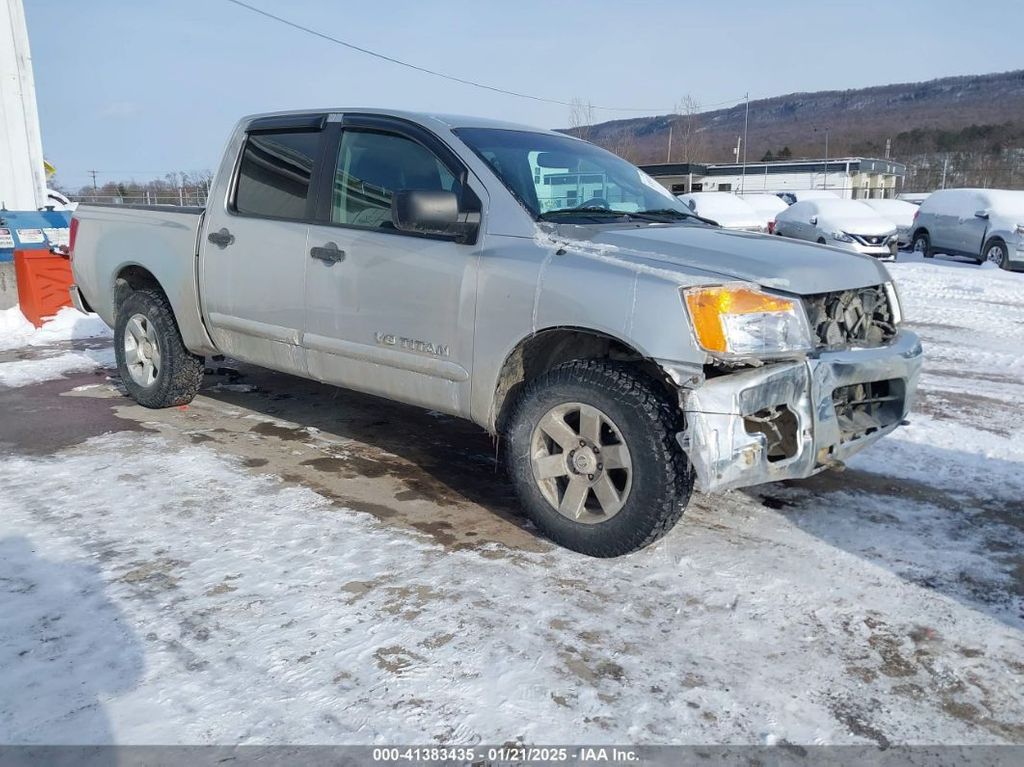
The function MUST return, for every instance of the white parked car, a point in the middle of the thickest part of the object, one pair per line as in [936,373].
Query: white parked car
[983,224]
[915,198]
[799,195]
[899,212]
[848,224]
[725,209]
[767,205]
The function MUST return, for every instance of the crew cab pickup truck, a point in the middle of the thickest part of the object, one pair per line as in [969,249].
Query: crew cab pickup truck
[623,348]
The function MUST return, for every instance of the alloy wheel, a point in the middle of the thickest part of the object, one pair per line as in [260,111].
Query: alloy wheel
[581,463]
[141,350]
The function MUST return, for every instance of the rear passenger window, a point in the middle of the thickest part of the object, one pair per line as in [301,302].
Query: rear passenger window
[275,174]
[372,166]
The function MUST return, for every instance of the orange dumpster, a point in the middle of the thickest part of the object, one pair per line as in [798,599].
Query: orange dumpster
[43,281]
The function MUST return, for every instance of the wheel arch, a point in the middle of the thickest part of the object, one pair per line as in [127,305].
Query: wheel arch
[989,241]
[539,352]
[131,278]
[181,294]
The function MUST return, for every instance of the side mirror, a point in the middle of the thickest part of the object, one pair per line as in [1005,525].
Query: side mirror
[981,214]
[426,212]
[814,221]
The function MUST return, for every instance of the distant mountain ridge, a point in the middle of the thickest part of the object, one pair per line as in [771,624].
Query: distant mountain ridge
[970,113]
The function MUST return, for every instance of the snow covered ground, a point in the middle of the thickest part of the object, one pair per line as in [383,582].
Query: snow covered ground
[69,343]
[281,562]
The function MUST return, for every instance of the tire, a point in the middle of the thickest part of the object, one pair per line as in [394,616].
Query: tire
[145,330]
[995,251]
[821,241]
[922,244]
[635,413]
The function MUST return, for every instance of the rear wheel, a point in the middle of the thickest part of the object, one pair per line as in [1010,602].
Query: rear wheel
[922,245]
[995,252]
[156,368]
[594,458]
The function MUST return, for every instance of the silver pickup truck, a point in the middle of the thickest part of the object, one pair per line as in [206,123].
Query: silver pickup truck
[624,348]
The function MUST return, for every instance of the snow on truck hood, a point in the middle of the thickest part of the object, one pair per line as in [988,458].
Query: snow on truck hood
[790,265]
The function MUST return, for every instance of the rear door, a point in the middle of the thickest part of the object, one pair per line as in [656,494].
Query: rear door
[945,210]
[390,312]
[254,249]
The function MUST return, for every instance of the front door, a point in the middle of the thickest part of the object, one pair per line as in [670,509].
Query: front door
[971,228]
[389,312]
[254,254]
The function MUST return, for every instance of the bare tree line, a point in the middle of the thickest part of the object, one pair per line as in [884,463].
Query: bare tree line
[176,188]
[686,141]
[986,170]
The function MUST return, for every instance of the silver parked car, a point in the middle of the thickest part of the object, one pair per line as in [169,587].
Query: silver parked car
[523,279]
[982,224]
[900,212]
[847,224]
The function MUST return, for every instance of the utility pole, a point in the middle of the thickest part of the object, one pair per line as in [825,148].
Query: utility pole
[668,157]
[746,118]
[93,174]
[945,165]
[824,184]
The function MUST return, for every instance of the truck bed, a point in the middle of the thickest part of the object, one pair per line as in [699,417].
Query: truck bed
[135,241]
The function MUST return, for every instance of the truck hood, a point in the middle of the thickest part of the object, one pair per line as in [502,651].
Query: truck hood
[783,264]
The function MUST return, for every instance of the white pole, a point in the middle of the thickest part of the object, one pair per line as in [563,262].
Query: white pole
[746,116]
[23,179]
[824,184]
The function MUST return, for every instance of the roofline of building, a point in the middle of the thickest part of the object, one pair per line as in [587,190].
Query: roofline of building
[834,164]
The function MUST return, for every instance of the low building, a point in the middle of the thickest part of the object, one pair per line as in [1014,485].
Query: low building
[850,177]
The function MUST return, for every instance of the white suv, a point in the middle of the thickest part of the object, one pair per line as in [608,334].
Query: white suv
[983,224]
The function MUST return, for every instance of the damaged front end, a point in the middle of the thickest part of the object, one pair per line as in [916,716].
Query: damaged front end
[789,420]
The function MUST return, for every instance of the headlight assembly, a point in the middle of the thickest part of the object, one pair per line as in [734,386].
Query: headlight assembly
[894,303]
[841,236]
[740,320]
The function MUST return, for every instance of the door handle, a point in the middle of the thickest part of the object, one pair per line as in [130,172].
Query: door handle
[221,239]
[328,253]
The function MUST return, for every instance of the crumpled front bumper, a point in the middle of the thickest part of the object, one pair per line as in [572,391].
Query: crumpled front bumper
[726,455]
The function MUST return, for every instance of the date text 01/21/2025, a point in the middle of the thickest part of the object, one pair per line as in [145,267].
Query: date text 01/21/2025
[500,754]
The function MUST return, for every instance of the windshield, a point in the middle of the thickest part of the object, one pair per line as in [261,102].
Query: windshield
[559,178]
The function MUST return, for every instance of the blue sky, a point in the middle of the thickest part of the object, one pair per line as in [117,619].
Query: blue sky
[137,88]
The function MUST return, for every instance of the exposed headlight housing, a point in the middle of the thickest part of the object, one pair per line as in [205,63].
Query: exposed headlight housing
[741,320]
[894,303]
[1020,230]
[841,236]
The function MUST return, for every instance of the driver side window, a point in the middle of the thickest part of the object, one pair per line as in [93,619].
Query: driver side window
[372,166]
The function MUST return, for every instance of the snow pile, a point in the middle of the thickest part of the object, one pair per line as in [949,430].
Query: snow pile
[67,325]
[15,330]
[31,371]
[45,354]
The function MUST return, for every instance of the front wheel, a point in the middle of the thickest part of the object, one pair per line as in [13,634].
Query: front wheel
[922,245]
[995,252]
[594,458]
[156,368]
